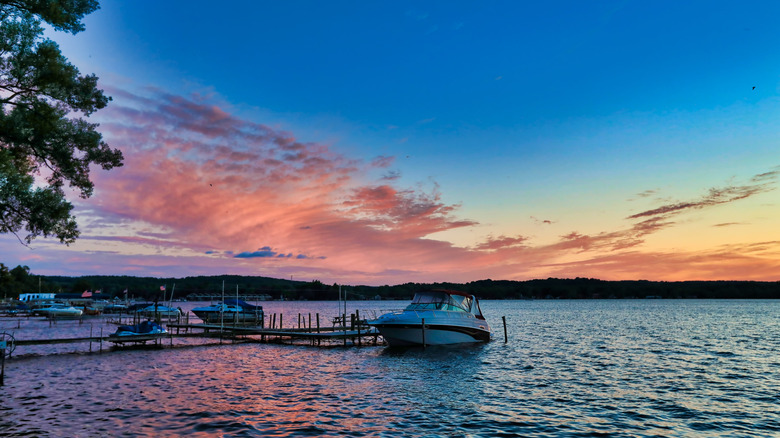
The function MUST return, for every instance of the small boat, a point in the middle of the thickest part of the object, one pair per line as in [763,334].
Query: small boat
[230,311]
[59,311]
[163,311]
[437,317]
[115,308]
[144,328]
[91,311]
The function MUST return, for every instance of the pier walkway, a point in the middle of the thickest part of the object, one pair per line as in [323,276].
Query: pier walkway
[357,334]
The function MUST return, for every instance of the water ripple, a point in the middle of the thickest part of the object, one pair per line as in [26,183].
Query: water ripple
[572,369]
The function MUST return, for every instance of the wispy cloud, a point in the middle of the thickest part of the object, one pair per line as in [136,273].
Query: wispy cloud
[656,219]
[268,252]
[417,14]
[502,242]
[644,194]
[716,196]
[406,212]
[541,221]
[728,224]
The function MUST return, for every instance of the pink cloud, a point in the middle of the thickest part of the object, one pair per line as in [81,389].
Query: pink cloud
[207,185]
[502,242]
[215,182]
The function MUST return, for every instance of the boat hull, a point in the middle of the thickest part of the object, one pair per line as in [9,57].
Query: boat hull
[230,311]
[59,312]
[161,311]
[66,314]
[228,317]
[401,335]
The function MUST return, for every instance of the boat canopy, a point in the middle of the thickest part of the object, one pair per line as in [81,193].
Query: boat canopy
[243,304]
[441,300]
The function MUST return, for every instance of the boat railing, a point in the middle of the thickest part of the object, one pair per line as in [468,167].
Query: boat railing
[427,313]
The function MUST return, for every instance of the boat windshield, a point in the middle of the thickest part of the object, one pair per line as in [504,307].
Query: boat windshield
[440,301]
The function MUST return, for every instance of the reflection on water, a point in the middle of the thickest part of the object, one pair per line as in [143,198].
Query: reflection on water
[571,368]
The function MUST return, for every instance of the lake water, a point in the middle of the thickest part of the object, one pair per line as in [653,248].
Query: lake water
[681,368]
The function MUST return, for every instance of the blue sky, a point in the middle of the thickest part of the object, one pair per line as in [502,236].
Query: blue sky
[520,127]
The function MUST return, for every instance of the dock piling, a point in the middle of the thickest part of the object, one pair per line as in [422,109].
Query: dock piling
[357,318]
[423,332]
[506,339]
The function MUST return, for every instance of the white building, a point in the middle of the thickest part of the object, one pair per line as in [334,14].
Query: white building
[36,297]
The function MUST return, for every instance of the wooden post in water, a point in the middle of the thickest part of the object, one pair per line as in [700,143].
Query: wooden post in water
[2,366]
[423,332]
[506,339]
[318,329]
[299,321]
[357,318]
[101,339]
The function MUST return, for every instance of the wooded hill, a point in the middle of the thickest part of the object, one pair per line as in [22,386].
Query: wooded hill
[551,288]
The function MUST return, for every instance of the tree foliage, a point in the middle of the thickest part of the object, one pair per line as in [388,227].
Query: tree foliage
[550,288]
[44,140]
[19,280]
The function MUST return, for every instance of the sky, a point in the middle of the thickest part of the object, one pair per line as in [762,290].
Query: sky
[382,143]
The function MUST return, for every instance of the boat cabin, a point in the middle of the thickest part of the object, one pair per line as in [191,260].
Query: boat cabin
[449,300]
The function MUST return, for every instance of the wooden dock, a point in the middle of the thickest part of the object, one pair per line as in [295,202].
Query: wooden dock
[357,333]
[356,337]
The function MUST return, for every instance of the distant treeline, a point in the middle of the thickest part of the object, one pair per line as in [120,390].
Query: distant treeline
[589,288]
[19,280]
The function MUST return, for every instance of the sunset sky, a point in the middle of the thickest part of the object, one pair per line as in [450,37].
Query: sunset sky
[391,142]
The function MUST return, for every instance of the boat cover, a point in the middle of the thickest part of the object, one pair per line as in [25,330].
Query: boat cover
[244,305]
[144,328]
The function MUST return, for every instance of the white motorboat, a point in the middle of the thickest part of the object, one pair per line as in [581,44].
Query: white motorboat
[59,311]
[436,317]
[163,311]
[230,311]
[115,308]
